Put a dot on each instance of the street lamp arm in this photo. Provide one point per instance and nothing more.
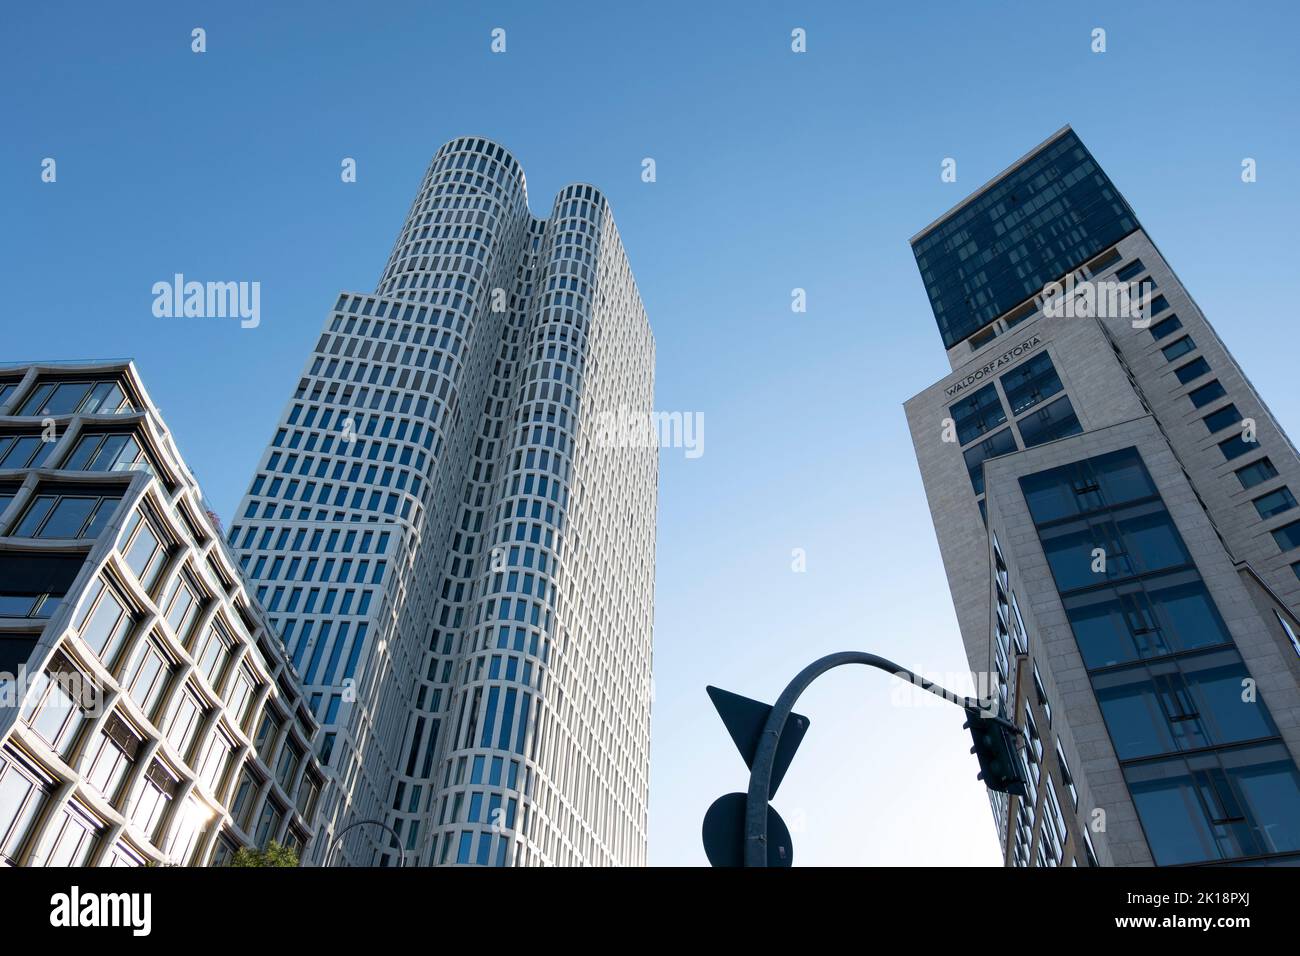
(760, 776)
(338, 838)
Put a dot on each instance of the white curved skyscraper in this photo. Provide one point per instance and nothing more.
(461, 568)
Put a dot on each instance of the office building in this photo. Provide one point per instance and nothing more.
(148, 715)
(1115, 508)
(459, 566)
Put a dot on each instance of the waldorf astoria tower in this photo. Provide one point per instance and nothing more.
(1116, 510)
(460, 568)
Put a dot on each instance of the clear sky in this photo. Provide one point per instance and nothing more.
(775, 171)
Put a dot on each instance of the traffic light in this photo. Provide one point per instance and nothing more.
(995, 746)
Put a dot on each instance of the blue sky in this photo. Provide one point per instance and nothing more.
(775, 171)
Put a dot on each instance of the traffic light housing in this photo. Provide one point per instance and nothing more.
(995, 747)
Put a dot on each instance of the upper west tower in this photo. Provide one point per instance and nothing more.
(462, 571)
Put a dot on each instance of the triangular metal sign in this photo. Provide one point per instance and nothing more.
(745, 719)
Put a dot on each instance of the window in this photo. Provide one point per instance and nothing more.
(23, 792)
(1179, 348)
(66, 515)
(1256, 472)
(1275, 502)
(978, 414)
(1241, 802)
(239, 698)
(1165, 328)
(1288, 536)
(23, 451)
(1030, 383)
(70, 837)
(1049, 423)
(192, 817)
(1236, 446)
(7, 390)
(1222, 418)
(57, 703)
(149, 680)
(106, 623)
(114, 451)
(1206, 393)
(1192, 370)
(1041, 693)
(999, 444)
(308, 794)
(241, 807)
(1186, 703)
(66, 398)
(186, 721)
(143, 549)
(1067, 777)
(153, 799)
(268, 823)
(112, 756)
(216, 759)
(214, 654)
(181, 606)
(33, 584)
(1129, 271)
(287, 766)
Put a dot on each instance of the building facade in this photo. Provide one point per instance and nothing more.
(1115, 508)
(148, 714)
(459, 566)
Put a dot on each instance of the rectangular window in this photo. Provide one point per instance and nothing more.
(32, 584)
(107, 624)
(66, 515)
(23, 451)
(1049, 423)
(1236, 446)
(1288, 536)
(1192, 370)
(113, 756)
(1165, 328)
(1218, 420)
(1256, 472)
(1203, 808)
(1129, 271)
(1179, 348)
(978, 414)
(143, 549)
(1000, 443)
(105, 452)
(23, 793)
(1275, 502)
(1206, 393)
(1031, 383)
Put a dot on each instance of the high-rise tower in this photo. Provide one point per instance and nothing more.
(1115, 506)
(462, 571)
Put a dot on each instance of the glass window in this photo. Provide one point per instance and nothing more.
(1289, 630)
(1186, 703)
(1242, 802)
(1178, 348)
(978, 414)
(70, 837)
(56, 704)
(143, 550)
(1206, 393)
(1236, 446)
(112, 756)
(23, 451)
(1165, 328)
(1030, 383)
(1222, 418)
(1049, 423)
(23, 793)
(108, 624)
(154, 797)
(1145, 619)
(1256, 472)
(33, 584)
(1288, 536)
(66, 516)
(148, 682)
(1275, 502)
(181, 606)
(1192, 370)
(105, 452)
(1000, 443)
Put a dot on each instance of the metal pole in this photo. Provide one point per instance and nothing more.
(760, 776)
(338, 837)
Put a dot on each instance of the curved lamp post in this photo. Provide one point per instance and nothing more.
(338, 837)
(991, 740)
